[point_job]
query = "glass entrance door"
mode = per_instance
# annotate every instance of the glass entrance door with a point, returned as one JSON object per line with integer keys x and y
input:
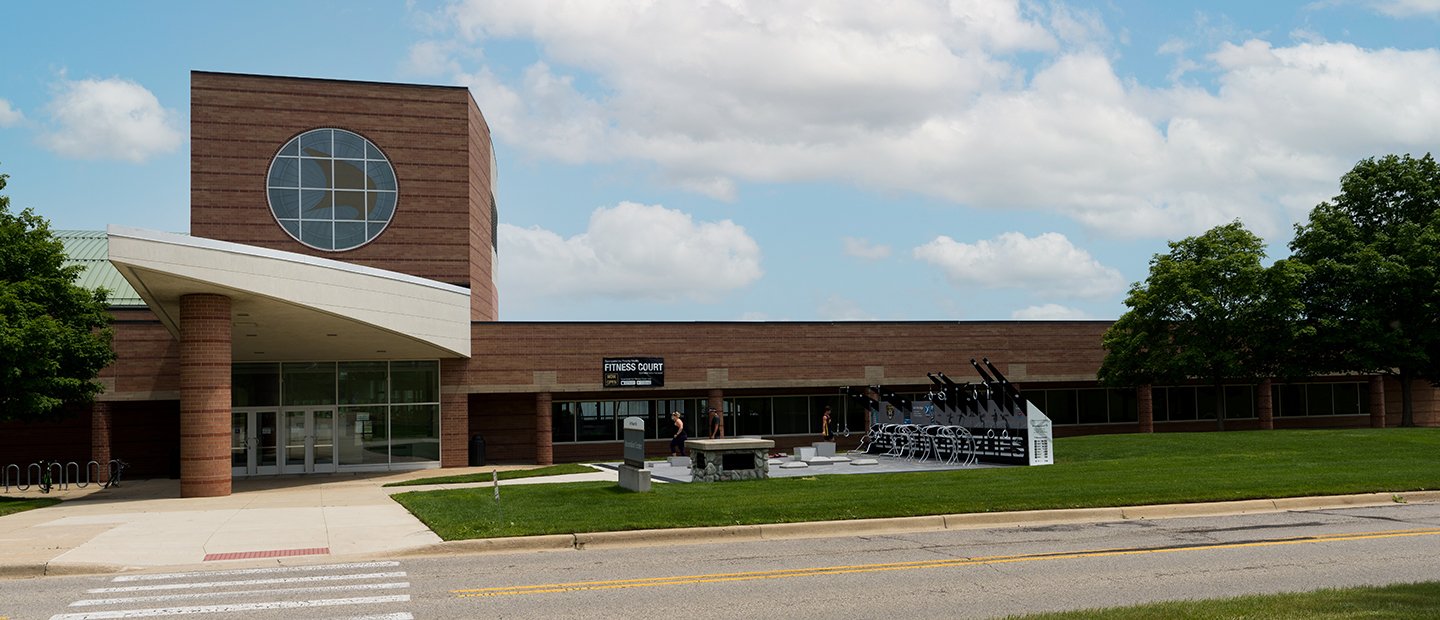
{"x": 309, "y": 436}
{"x": 253, "y": 443}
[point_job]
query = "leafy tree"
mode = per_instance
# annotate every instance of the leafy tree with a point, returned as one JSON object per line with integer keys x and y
{"x": 54, "y": 335}
{"x": 1208, "y": 310}
{"x": 1374, "y": 291}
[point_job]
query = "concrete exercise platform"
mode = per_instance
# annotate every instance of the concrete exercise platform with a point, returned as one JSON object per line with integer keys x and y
{"x": 660, "y": 471}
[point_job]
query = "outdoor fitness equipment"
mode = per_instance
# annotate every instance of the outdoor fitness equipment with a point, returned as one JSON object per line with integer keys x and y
{"x": 957, "y": 423}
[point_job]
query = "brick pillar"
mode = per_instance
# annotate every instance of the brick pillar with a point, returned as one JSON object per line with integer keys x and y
{"x": 715, "y": 399}
{"x": 100, "y": 438}
{"x": 544, "y": 447}
{"x": 1265, "y": 405}
{"x": 1377, "y": 402}
{"x": 454, "y": 414}
{"x": 1145, "y": 408}
{"x": 204, "y": 395}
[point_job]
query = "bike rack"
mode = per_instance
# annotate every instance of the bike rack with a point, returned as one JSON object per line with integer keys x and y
{"x": 6, "y": 478}
{"x": 62, "y": 474}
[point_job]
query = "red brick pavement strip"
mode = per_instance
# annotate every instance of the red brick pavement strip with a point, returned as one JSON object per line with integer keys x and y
{"x": 278, "y": 553}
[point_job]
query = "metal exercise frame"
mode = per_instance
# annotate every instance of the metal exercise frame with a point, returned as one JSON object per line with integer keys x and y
{"x": 962, "y": 424}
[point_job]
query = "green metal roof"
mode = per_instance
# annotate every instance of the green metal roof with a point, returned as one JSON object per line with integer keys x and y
{"x": 91, "y": 249}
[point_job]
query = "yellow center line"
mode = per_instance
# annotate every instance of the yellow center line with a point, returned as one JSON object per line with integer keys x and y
{"x": 650, "y": 582}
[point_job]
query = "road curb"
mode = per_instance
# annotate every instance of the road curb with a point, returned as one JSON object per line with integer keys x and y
{"x": 857, "y": 527}
{"x": 550, "y": 542}
{"x": 36, "y": 569}
{"x": 1170, "y": 511}
{"x": 21, "y": 571}
{"x": 978, "y": 520}
{"x": 680, "y": 536}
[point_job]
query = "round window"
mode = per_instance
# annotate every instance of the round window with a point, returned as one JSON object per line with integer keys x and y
{"x": 331, "y": 189}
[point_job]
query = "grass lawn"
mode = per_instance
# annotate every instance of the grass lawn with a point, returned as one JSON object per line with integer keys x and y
{"x": 1415, "y": 600}
{"x": 553, "y": 470}
{"x": 10, "y": 505}
{"x": 1099, "y": 470}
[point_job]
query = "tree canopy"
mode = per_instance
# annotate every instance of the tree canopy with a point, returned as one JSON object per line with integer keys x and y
{"x": 54, "y": 335}
{"x": 1208, "y": 310}
{"x": 1373, "y": 294}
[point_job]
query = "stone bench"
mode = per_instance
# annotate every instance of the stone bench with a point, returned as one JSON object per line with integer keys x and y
{"x": 717, "y": 460}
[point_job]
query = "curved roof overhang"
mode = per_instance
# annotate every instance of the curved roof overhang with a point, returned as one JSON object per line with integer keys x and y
{"x": 289, "y": 307}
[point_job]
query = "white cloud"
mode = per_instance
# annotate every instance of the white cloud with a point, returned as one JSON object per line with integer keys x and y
{"x": 931, "y": 98}
{"x": 860, "y": 248}
{"x": 1049, "y": 312}
{"x": 432, "y": 58}
{"x": 8, "y": 115}
{"x": 109, "y": 119}
{"x": 1406, "y": 8}
{"x": 630, "y": 251}
{"x": 1047, "y": 263}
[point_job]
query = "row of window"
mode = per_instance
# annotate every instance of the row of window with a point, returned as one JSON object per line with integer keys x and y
{"x": 331, "y": 383}
{"x": 576, "y": 421}
{"x": 579, "y": 421}
{"x": 1181, "y": 403}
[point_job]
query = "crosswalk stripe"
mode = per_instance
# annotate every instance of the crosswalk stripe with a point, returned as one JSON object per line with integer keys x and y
{"x": 213, "y": 609}
{"x": 200, "y": 595}
{"x": 253, "y": 571}
{"x": 244, "y": 582}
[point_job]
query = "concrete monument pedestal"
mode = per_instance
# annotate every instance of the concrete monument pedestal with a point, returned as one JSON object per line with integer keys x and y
{"x": 716, "y": 460}
{"x": 632, "y": 479}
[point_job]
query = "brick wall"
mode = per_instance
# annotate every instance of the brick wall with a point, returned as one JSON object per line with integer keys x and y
{"x": 432, "y": 136}
{"x": 737, "y": 355}
{"x": 147, "y": 363}
{"x": 507, "y": 422}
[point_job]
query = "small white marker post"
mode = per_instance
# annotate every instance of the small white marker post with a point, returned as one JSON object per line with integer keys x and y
{"x": 495, "y": 480}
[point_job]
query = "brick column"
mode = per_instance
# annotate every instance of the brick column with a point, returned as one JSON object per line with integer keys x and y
{"x": 100, "y": 438}
{"x": 544, "y": 447}
{"x": 454, "y": 414}
{"x": 204, "y": 395}
{"x": 1265, "y": 405}
{"x": 715, "y": 399}
{"x": 1145, "y": 408}
{"x": 1377, "y": 402}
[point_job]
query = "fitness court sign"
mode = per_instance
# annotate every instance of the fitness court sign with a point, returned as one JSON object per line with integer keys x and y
{"x": 633, "y": 372}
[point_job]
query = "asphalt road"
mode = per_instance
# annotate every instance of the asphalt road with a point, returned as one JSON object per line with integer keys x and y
{"x": 977, "y": 573}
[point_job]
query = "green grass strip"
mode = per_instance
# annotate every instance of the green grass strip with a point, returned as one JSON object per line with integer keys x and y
{"x": 12, "y": 505}
{"x": 1414, "y": 600}
{"x": 1093, "y": 471}
{"x": 553, "y": 470}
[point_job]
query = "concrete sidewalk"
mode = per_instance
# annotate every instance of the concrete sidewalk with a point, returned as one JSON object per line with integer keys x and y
{"x": 144, "y": 523}
{"x": 294, "y": 520}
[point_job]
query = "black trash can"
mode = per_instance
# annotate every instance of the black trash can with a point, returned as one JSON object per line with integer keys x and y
{"x": 477, "y": 451}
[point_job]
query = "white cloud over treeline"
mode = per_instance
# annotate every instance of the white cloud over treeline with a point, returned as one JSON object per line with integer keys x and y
{"x": 934, "y": 98}
{"x": 631, "y": 252}
{"x": 1047, "y": 263}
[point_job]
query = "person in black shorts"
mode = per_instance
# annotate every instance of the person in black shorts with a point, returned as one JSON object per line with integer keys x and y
{"x": 717, "y": 424}
{"x": 677, "y": 441}
{"x": 827, "y": 426}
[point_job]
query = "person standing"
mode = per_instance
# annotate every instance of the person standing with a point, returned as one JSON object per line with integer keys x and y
{"x": 677, "y": 441}
{"x": 717, "y": 424}
{"x": 827, "y": 429}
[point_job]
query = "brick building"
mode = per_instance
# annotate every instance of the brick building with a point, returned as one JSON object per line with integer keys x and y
{"x": 334, "y": 309}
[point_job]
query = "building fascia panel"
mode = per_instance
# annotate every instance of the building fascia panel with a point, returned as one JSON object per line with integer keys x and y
{"x": 293, "y": 306}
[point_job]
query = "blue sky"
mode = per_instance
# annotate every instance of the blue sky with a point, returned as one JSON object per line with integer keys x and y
{"x": 966, "y": 160}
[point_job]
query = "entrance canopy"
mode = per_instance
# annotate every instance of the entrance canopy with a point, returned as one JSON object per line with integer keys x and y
{"x": 287, "y": 306}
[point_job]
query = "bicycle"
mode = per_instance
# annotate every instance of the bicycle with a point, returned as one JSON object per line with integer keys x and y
{"x": 45, "y": 481}
{"x": 117, "y": 467}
